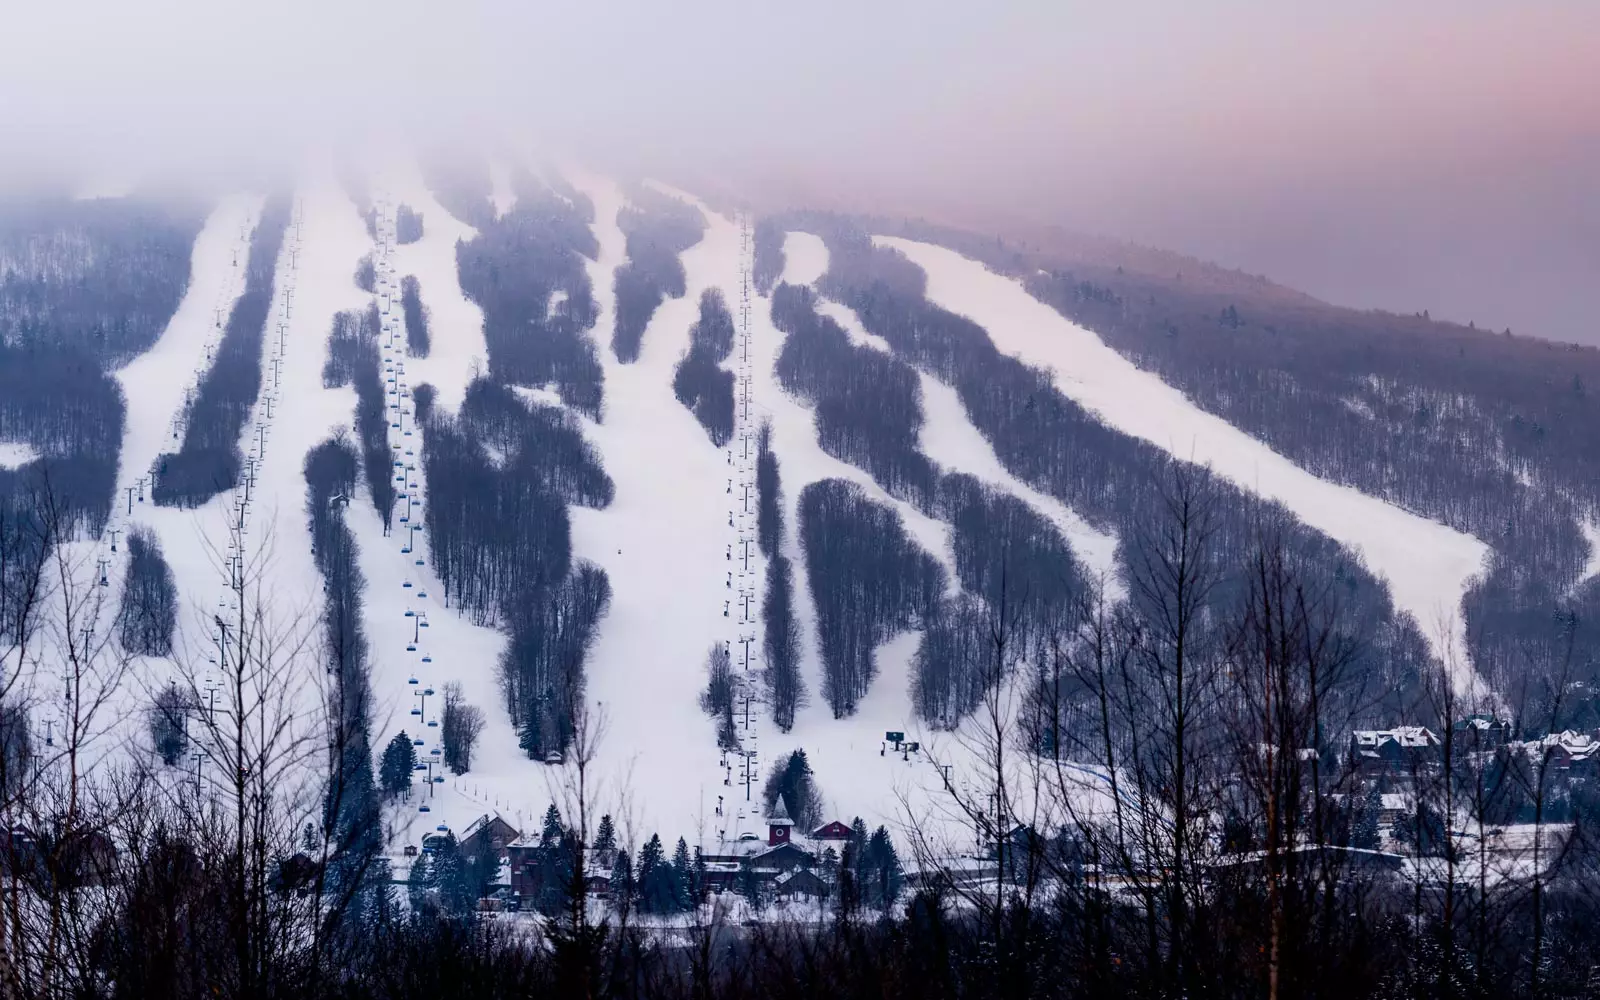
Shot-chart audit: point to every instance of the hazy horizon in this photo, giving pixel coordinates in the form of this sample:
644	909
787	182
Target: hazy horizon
1435	155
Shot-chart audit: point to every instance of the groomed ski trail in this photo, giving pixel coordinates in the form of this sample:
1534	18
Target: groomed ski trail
1428	566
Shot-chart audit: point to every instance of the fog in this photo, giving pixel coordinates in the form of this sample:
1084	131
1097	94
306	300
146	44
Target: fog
1433	154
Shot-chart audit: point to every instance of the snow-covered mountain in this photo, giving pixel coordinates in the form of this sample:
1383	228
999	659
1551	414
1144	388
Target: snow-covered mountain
558	440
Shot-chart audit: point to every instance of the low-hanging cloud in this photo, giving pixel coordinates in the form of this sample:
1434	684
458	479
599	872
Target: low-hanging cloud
1439	154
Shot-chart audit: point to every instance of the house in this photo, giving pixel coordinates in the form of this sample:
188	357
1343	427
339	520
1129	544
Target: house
835	830
801	883
1399	750
1567	751
487	836
767	860
1479	732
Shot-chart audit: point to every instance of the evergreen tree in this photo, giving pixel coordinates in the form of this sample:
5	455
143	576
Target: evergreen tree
451	877
605	837
420	884
551	836
881	865
657	889
623	889
791	778
530	737
399	760
1364	832
683	877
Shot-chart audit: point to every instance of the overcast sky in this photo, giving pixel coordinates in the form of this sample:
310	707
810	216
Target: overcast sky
1410	154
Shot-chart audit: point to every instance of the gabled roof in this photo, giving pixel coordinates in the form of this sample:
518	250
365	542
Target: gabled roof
780	814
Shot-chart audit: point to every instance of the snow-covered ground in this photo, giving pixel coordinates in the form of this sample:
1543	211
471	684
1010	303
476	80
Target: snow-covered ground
1428	566
503	195
455	322
1591	534
950	440
662	543
16	454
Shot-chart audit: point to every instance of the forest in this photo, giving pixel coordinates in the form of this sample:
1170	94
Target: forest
1111	480
657	228
419	339
868	405
869	580
354	360
525	271
209	459
699	381
500	477
786	692
85	287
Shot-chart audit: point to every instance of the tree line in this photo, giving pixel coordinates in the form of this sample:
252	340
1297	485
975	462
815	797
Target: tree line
85	286
419	340
868	405
209	459
657	228
354	360
780	635
500	476
869	581
525	271
699	381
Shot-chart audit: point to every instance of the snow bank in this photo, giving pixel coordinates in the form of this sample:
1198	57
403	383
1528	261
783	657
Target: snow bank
805	258
1591	534
16	454
1428	566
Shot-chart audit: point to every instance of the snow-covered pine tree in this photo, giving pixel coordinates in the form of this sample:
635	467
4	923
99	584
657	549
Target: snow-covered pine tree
551	834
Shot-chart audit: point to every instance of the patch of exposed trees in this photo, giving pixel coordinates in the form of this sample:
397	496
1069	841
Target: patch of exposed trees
355	360
148	616
700	382
525	271
780	638
209	460
658	228
500	476
868	404
419	339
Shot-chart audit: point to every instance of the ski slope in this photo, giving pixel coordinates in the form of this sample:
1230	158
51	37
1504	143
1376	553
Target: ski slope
1428	566
662	543
457	350
955	445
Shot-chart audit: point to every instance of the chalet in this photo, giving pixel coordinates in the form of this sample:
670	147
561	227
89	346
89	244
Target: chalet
1480	732
801	883
834	831
1567	751
1399	750
487	836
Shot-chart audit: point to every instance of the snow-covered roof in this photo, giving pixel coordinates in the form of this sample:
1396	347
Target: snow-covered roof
1407	737
780	814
